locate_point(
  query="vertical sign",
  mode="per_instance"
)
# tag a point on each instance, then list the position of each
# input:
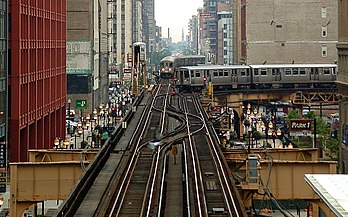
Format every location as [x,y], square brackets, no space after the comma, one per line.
[3,177]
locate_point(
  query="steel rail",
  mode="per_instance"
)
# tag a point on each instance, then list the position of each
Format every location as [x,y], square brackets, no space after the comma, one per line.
[159,149]
[133,162]
[186,181]
[221,172]
[195,169]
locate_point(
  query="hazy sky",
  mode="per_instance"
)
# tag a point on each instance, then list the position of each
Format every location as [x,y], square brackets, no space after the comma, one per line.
[175,14]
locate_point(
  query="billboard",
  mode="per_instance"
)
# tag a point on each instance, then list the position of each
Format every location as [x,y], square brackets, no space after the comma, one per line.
[78,57]
[300,125]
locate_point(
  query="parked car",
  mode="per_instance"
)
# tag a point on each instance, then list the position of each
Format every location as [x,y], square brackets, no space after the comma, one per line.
[70,123]
[238,145]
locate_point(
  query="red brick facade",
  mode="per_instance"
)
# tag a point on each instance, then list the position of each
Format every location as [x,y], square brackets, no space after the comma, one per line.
[37,75]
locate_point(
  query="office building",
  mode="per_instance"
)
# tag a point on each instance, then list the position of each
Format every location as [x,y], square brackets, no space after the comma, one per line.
[87,54]
[36,74]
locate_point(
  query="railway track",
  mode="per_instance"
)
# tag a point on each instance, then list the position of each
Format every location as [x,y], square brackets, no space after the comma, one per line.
[213,193]
[136,186]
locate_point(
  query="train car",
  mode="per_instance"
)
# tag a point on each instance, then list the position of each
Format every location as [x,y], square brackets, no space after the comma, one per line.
[256,76]
[293,75]
[170,64]
[230,77]
[192,77]
[167,67]
[222,77]
[189,60]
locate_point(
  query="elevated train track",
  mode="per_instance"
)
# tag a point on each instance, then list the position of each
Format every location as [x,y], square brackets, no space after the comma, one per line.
[128,178]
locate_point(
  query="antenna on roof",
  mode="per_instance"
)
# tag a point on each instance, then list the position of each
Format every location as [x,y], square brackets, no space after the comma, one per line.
[264,62]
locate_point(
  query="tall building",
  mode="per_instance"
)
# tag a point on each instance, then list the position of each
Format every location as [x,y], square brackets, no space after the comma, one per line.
[288,31]
[342,82]
[111,33]
[3,87]
[149,25]
[209,24]
[225,38]
[36,74]
[128,28]
[87,53]
[193,34]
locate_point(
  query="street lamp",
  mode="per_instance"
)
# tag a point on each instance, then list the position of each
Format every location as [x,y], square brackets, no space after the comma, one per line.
[69,102]
[101,115]
[56,143]
[88,124]
[249,132]
[80,131]
[66,143]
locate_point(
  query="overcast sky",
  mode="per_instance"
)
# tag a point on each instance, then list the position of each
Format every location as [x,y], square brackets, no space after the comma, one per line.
[175,14]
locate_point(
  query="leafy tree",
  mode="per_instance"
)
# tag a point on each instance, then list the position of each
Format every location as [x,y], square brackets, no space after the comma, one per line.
[332,146]
[292,115]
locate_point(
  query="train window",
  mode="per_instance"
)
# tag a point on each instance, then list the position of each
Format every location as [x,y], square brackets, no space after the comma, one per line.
[192,74]
[326,71]
[225,73]
[186,74]
[221,73]
[215,73]
[256,72]
[242,72]
[302,71]
[263,71]
[198,74]
[334,71]
[295,71]
[287,71]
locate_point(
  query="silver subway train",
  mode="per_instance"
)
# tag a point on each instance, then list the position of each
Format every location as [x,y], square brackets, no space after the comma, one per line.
[257,76]
[169,64]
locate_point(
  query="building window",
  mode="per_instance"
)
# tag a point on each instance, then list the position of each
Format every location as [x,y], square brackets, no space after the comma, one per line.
[225,34]
[324,51]
[225,43]
[324,31]
[2,25]
[225,52]
[225,26]
[323,12]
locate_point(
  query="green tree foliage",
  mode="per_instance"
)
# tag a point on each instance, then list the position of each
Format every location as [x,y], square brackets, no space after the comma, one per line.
[332,145]
[292,115]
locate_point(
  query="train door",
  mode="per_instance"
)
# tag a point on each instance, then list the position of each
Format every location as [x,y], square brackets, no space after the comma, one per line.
[276,74]
[233,73]
[186,78]
[256,75]
[314,74]
[181,76]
